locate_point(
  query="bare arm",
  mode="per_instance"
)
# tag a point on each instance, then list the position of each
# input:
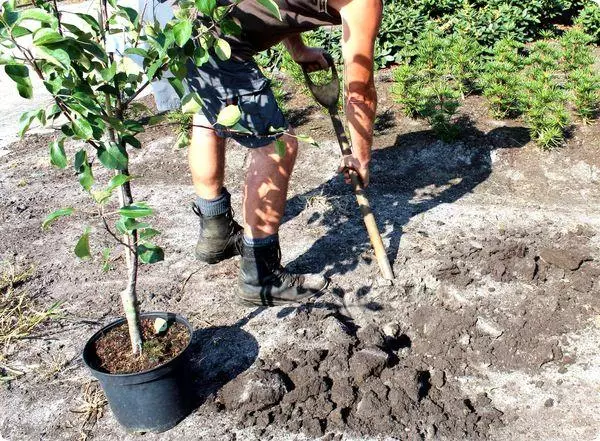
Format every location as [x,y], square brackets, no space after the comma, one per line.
[311,56]
[360,20]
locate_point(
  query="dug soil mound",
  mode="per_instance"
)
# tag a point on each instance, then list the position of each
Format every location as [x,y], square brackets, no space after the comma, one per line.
[357,380]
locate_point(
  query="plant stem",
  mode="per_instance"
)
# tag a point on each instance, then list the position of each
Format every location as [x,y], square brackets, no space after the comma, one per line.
[129,295]
[60,31]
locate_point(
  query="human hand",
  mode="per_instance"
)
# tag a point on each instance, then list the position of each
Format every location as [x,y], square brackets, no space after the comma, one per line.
[351,163]
[312,58]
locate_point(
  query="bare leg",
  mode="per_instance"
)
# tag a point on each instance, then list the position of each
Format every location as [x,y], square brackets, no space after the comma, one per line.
[266,188]
[206,158]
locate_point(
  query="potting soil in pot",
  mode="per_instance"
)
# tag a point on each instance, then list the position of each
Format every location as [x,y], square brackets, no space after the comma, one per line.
[114,348]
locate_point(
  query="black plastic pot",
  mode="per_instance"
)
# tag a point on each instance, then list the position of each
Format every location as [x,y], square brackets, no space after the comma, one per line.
[150,401]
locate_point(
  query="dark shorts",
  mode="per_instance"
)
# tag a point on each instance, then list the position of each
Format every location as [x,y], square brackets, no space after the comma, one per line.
[221,83]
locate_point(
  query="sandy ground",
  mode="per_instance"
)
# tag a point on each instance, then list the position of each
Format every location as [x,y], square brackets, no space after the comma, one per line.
[494,244]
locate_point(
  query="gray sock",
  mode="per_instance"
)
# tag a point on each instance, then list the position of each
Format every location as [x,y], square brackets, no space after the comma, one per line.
[214,207]
[261,242]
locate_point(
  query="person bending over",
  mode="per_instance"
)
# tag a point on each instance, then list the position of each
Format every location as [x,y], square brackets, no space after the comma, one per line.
[239,81]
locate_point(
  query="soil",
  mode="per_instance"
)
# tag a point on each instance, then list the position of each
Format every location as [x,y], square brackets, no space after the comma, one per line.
[490,331]
[113,348]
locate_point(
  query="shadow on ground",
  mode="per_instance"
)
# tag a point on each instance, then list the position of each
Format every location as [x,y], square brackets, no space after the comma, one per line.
[219,354]
[415,174]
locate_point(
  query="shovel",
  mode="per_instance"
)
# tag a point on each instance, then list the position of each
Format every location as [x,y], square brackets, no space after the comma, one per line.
[327,95]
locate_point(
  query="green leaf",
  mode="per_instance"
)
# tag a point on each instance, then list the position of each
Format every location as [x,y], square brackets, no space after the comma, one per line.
[132,141]
[182,141]
[19,73]
[55,215]
[307,139]
[129,13]
[222,49]
[6,59]
[230,27]
[237,127]
[90,20]
[82,166]
[113,156]
[280,147]
[10,16]
[104,195]
[152,70]
[179,69]
[148,233]
[58,157]
[25,89]
[136,51]
[106,259]
[206,6]
[229,116]
[58,57]
[46,36]
[53,111]
[79,33]
[201,56]
[20,31]
[150,253]
[191,103]
[108,89]
[25,121]
[109,73]
[182,32]
[271,7]
[126,225]
[82,129]
[177,84]
[82,248]
[80,160]
[133,126]
[86,178]
[37,15]
[53,86]
[133,211]
[117,181]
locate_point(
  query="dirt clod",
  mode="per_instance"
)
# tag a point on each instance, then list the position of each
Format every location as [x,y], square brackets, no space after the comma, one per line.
[355,387]
[563,259]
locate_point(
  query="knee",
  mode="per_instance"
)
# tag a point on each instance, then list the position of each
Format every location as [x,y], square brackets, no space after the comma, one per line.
[291,146]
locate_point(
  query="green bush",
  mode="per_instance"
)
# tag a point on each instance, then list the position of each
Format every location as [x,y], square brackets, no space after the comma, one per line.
[585,87]
[502,82]
[432,85]
[577,52]
[589,20]
[485,21]
[545,107]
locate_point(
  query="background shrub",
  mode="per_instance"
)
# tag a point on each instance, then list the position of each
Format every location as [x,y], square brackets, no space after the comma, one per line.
[589,20]
[502,82]
[486,21]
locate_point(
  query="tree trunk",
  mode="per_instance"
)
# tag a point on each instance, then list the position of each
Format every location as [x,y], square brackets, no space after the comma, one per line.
[129,294]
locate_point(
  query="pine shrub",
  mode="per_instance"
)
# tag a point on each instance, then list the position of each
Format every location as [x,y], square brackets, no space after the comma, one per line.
[502,81]
[546,101]
[585,88]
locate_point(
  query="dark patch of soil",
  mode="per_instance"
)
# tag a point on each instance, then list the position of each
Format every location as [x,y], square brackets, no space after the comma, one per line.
[114,354]
[361,382]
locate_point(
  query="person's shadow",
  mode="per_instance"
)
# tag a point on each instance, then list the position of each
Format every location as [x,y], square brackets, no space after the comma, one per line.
[219,354]
[413,175]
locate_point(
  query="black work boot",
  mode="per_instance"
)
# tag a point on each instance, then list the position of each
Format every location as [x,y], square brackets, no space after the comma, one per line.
[264,282]
[220,237]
